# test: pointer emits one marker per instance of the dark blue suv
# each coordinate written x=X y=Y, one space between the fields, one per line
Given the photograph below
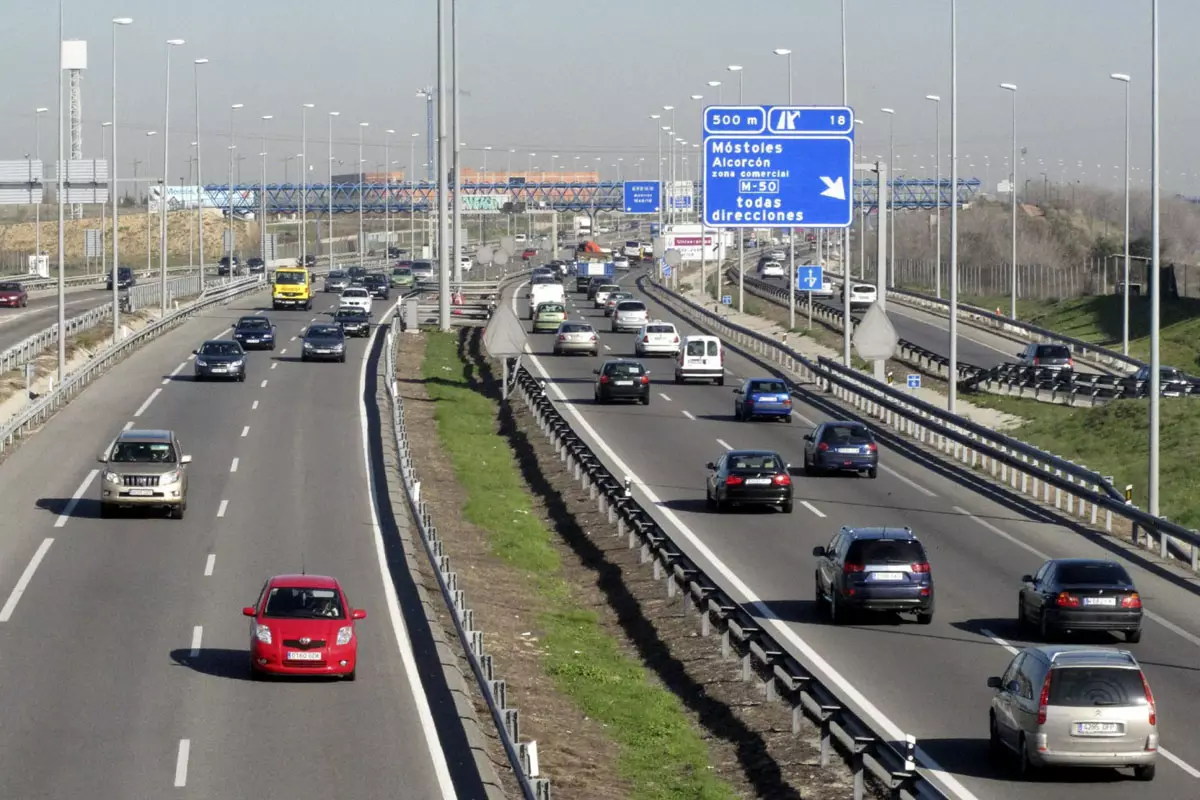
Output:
x=841 y=447
x=874 y=569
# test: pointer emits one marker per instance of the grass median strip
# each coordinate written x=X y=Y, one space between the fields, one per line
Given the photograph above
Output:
x=662 y=756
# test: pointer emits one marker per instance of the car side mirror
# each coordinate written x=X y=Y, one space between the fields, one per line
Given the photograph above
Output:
x=1020 y=355
x=358 y=613
x=1027 y=579
x=711 y=465
x=195 y=352
x=102 y=458
x=737 y=391
x=248 y=611
x=819 y=551
x=808 y=437
x=595 y=372
x=186 y=459
x=994 y=683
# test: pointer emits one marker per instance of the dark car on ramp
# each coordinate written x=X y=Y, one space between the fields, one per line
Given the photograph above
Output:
x=378 y=285
x=354 y=321
x=1080 y=594
x=220 y=358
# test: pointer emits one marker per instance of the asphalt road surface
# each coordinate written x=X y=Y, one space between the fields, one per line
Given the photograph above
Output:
x=123 y=651
x=17 y=324
x=928 y=681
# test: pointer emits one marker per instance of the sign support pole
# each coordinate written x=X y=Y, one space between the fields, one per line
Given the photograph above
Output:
x=880 y=367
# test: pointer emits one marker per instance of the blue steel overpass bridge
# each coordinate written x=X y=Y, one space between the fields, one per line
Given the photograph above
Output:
x=421 y=196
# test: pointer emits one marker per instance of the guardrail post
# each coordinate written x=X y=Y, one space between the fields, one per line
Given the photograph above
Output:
x=827 y=713
x=861 y=745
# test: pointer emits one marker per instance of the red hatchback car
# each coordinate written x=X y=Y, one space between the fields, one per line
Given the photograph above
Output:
x=303 y=625
x=13 y=295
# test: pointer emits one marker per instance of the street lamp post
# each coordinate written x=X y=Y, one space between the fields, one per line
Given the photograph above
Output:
x=741 y=239
x=410 y=173
x=387 y=188
x=1012 y=188
x=262 y=193
x=1117 y=76
x=229 y=251
x=37 y=155
x=304 y=107
x=952 y=384
x=62 y=263
x=891 y=203
x=716 y=85
x=329 y=189
x=937 y=266
x=361 y=241
x=162 y=201
x=104 y=205
x=671 y=169
x=149 y=140
x=1155 y=275
x=783 y=51
x=199 y=178
x=114 y=194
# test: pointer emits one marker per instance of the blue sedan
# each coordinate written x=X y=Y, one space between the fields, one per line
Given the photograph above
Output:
x=767 y=398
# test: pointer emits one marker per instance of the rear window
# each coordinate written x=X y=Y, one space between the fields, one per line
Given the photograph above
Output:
x=659 y=329
x=886 y=551
x=608 y=287
x=631 y=368
x=1080 y=687
x=764 y=461
x=575 y=328
x=768 y=387
x=631 y=305
x=867 y=289
x=1053 y=351
x=550 y=308
x=714 y=349
x=1107 y=574
x=695 y=348
x=847 y=434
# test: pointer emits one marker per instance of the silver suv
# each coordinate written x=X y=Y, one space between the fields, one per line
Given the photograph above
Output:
x=146 y=469
x=1075 y=706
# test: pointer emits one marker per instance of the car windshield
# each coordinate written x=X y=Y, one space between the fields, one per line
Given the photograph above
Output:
x=1082 y=687
x=768 y=387
x=1053 y=351
x=1106 y=574
x=886 y=551
x=846 y=435
x=695 y=347
x=324 y=332
x=864 y=289
x=424 y=266
x=606 y=288
x=253 y=324
x=143 y=453
x=755 y=461
x=221 y=349
x=624 y=368
x=297 y=602
x=289 y=278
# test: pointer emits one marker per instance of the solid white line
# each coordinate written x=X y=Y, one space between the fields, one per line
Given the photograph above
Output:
x=245 y=431
x=254 y=406
x=23 y=582
x=1003 y=643
x=197 y=635
x=403 y=643
x=209 y=564
x=812 y=508
x=74 y=501
x=724 y=444
x=263 y=385
x=606 y=347
x=689 y=415
x=292 y=339
x=664 y=397
x=146 y=404
x=907 y=480
x=128 y=425
x=181 y=762
x=804 y=419
x=221 y=508
x=233 y=467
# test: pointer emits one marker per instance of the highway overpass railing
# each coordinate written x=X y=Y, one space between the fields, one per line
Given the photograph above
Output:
x=1074 y=490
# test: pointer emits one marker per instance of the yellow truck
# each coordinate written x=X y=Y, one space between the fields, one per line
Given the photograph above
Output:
x=292 y=287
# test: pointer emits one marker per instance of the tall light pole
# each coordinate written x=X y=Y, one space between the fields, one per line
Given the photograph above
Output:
x=149 y=141
x=1125 y=79
x=199 y=176
x=387 y=190
x=846 y=331
x=671 y=169
x=114 y=194
x=1012 y=188
x=411 y=173
x=783 y=51
x=262 y=192
x=737 y=68
x=937 y=266
x=891 y=204
x=162 y=202
x=443 y=176
x=232 y=239
x=329 y=190
x=1155 y=273
x=952 y=383
x=661 y=188
x=37 y=155
x=62 y=264
x=361 y=241
x=456 y=167
x=304 y=107
x=104 y=205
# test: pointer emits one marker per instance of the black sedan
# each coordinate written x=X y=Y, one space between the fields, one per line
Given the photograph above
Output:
x=378 y=285
x=254 y=333
x=324 y=342
x=748 y=477
x=256 y=266
x=1080 y=594
x=354 y=321
x=220 y=358
x=841 y=447
x=622 y=379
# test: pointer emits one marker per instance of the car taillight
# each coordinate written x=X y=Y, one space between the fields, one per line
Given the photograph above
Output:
x=646 y=339
x=722 y=357
x=593 y=336
x=823 y=446
x=873 y=447
x=848 y=569
x=562 y=337
x=787 y=401
x=1044 y=700
x=734 y=480
x=645 y=379
x=922 y=568
x=675 y=340
x=1070 y=362
x=604 y=379
x=783 y=479
x=1066 y=600
x=1131 y=601
x=1149 y=700
x=1037 y=361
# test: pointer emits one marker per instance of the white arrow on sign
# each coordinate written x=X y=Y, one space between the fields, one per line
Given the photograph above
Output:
x=834 y=188
x=810 y=279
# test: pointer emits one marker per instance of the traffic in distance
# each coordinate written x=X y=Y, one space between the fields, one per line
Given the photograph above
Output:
x=1057 y=704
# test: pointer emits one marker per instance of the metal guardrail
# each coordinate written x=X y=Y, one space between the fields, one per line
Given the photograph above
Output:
x=506 y=719
x=1054 y=385
x=98 y=279
x=34 y=415
x=762 y=659
x=1047 y=478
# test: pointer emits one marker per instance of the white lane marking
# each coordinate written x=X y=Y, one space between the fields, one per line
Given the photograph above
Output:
x=69 y=509
x=221 y=508
x=284 y=350
x=847 y=690
x=209 y=564
x=292 y=339
x=664 y=397
x=23 y=582
x=128 y=425
x=1003 y=643
x=403 y=643
x=907 y=480
x=192 y=357
x=182 y=366
x=233 y=467
x=690 y=416
x=197 y=635
x=181 y=762
x=276 y=364
x=606 y=347
x=813 y=508
x=804 y=419
x=146 y=404
x=263 y=385
x=254 y=406
x=724 y=444
x=245 y=431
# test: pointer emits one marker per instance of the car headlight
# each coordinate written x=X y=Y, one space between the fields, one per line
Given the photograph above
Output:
x=167 y=478
x=262 y=633
x=308 y=345
x=111 y=477
x=237 y=363
x=200 y=362
x=345 y=634
x=339 y=346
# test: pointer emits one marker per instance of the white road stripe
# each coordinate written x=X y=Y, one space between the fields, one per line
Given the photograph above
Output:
x=263 y=385
x=690 y=416
x=254 y=406
x=221 y=508
x=606 y=347
x=292 y=339
x=276 y=364
x=284 y=350
x=209 y=564
x=812 y=508
x=146 y=404
x=664 y=397
x=907 y=480
x=233 y=467
x=245 y=431
x=181 y=762
x=182 y=366
x=74 y=501
x=128 y=425
x=23 y=582
x=724 y=444
x=197 y=635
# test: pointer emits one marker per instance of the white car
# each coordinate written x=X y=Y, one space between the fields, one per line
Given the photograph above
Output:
x=776 y=255
x=862 y=294
x=602 y=293
x=620 y=262
x=629 y=315
x=465 y=263
x=423 y=270
x=520 y=238
x=656 y=338
x=355 y=297
x=826 y=290
x=771 y=269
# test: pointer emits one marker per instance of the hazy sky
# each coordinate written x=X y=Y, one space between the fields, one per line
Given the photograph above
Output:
x=580 y=79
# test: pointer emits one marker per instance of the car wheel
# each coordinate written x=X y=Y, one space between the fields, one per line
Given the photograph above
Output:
x=351 y=675
x=241 y=377
x=597 y=399
x=257 y=674
x=557 y=352
x=721 y=381
x=1133 y=637
x=678 y=378
x=788 y=419
x=304 y=356
x=709 y=503
x=995 y=746
x=1045 y=632
x=646 y=399
x=925 y=618
x=272 y=347
x=177 y=511
x=1022 y=620
x=787 y=506
x=342 y=359
x=872 y=472
x=1025 y=767
x=1144 y=772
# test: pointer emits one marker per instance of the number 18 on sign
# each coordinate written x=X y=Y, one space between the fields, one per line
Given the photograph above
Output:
x=778 y=166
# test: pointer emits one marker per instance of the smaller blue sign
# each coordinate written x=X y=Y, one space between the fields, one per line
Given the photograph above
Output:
x=726 y=299
x=914 y=381
x=642 y=197
x=809 y=278
x=666 y=271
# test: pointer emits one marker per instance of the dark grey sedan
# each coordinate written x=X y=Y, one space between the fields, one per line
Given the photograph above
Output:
x=220 y=358
x=324 y=342
x=337 y=281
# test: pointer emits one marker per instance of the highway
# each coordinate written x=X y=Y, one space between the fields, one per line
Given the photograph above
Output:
x=123 y=651
x=17 y=324
x=928 y=681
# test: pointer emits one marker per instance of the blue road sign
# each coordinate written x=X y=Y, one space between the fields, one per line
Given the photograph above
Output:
x=809 y=277
x=726 y=299
x=666 y=271
x=914 y=381
x=778 y=166
x=642 y=197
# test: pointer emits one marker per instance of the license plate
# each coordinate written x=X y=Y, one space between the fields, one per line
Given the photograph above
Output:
x=758 y=481
x=304 y=655
x=141 y=493
x=1097 y=727
x=887 y=576
x=848 y=450
x=219 y=369
x=624 y=383
x=252 y=341
x=1100 y=601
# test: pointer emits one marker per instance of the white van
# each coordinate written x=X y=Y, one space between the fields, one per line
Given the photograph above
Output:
x=550 y=292
x=701 y=358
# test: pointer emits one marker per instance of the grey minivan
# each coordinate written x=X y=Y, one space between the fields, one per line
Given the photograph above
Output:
x=1074 y=706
